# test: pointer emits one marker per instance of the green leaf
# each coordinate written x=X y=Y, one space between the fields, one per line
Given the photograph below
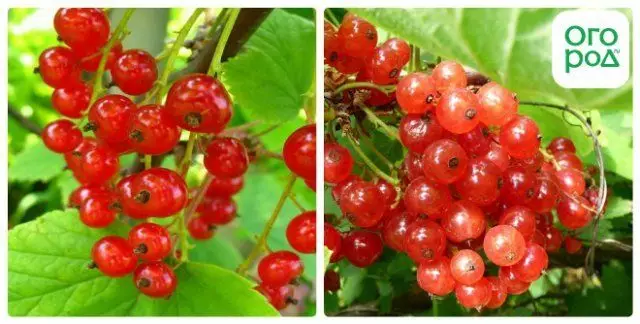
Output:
x=36 y=163
x=67 y=184
x=218 y=251
x=353 y=283
x=270 y=78
x=618 y=207
x=48 y=276
x=613 y=298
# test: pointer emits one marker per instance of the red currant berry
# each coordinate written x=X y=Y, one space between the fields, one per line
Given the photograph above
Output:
x=113 y=256
x=58 y=67
x=572 y=245
x=134 y=72
x=467 y=267
x=357 y=36
x=416 y=93
x=518 y=186
x=362 y=248
x=343 y=186
x=347 y=64
x=561 y=144
x=481 y=182
x=151 y=242
x=385 y=66
x=376 y=97
x=418 y=131
x=278 y=296
x=152 y=130
x=91 y=62
x=413 y=166
x=299 y=151
x=521 y=218
x=504 y=245
x=99 y=165
x=226 y=158
x=445 y=161
x=498 y=104
x=463 y=221
x=363 y=204
x=553 y=239
x=545 y=195
x=520 y=137
x=425 y=241
x=225 y=187
x=476 y=295
x=337 y=163
x=540 y=239
x=532 y=264
x=74 y=158
x=199 y=103
x=401 y=49
x=82 y=193
x=155 y=192
x=449 y=75
x=567 y=160
x=333 y=241
x=476 y=142
x=531 y=164
x=280 y=268
x=498 y=292
x=301 y=232
x=435 y=277
x=155 y=279
x=98 y=211
x=217 y=210
x=498 y=156
x=331 y=44
x=72 y=101
x=109 y=117
x=388 y=191
x=331 y=281
x=396 y=227
x=457 y=111
x=83 y=29
x=509 y=279
x=199 y=229
x=573 y=212
x=424 y=197
x=570 y=181
x=61 y=136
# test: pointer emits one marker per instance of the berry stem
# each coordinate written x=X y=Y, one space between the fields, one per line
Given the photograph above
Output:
x=372 y=146
x=415 y=64
x=295 y=201
x=175 y=50
x=332 y=18
x=370 y=163
x=147 y=162
x=221 y=18
x=377 y=121
x=550 y=158
x=183 y=218
x=434 y=306
x=262 y=240
x=183 y=166
x=215 y=66
x=352 y=85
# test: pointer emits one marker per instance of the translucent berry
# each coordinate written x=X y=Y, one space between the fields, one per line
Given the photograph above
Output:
x=518 y=186
x=225 y=187
x=226 y=158
x=570 y=181
x=476 y=295
x=83 y=192
x=416 y=93
x=389 y=193
x=480 y=183
x=278 y=296
x=449 y=75
x=400 y=47
x=333 y=241
x=61 y=136
x=363 y=204
x=109 y=119
x=553 y=239
x=425 y=241
x=509 y=279
x=521 y=218
x=545 y=195
x=498 y=292
x=561 y=144
x=457 y=111
x=424 y=197
x=467 y=267
x=532 y=264
x=476 y=142
x=71 y=101
x=217 y=210
x=463 y=221
x=83 y=29
x=134 y=72
x=279 y=268
x=566 y=160
x=445 y=161
x=498 y=156
x=504 y=245
x=418 y=131
x=58 y=67
x=151 y=242
x=573 y=212
x=520 y=137
x=357 y=36
x=98 y=211
x=113 y=256
x=498 y=104
x=299 y=151
x=99 y=165
x=155 y=192
x=155 y=279
x=395 y=229
x=338 y=163
x=343 y=186
x=301 y=232
x=435 y=277
x=572 y=245
x=91 y=62
x=413 y=166
x=199 y=229
x=152 y=130
x=362 y=248
x=385 y=66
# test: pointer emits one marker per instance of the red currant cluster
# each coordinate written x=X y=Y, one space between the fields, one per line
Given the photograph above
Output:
x=198 y=103
x=279 y=269
x=474 y=178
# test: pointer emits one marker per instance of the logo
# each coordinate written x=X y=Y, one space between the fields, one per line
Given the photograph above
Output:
x=590 y=49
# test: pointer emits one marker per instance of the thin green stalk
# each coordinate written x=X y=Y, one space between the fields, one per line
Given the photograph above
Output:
x=262 y=240
x=183 y=218
x=354 y=85
x=147 y=162
x=372 y=166
x=372 y=146
x=175 y=50
x=332 y=17
x=188 y=153
x=434 y=306
x=215 y=66
x=220 y=19
x=417 y=64
x=377 y=121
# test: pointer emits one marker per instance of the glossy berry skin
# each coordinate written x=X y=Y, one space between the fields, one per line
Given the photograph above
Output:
x=463 y=221
x=155 y=192
x=413 y=166
x=113 y=256
x=457 y=111
x=97 y=211
x=561 y=144
x=226 y=158
x=347 y=64
x=151 y=242
x=518 y=186
x=301 y=232
x=58 y=67
x=570 y=181
x=155 y=279
x=521 y=218
x=74 y=158
x=333 y=241
x=109 y=118
x=545 y=195
x=573 y=213
x=498 y=292
x=83 y=192
x=498 y=156
x=199 y=103
x=388 y=191
x=534 y=261
x=99 y=165
x=435 y=277
x=61 y=136
x=152 y=131
x=343 y=186
x=331 y=44
x=427 y=198
x=572 y=245
x=418 y=131
x=504 y=245
x=416 y=93
x=520 y=137
x=475 y=142
x=225 y=187
x=217 y=210
x=445 y=161
x=83 y=29
x=71 y=101
x=280 y=268
x=476 y=295
x=467 y=267
x=362 y=248
x=278 y=296
x=481 y=182
x=531 y=164
x=338 y=163
x=401 y=49
x=509 y=279
x=498 y=105
x=376 y=97
x=385 y=66
x=363 y=204
x=299 y=151
x=425 y=241
x=331 y=281
x=566 y=159
x=357 y=36
x=449 y=75
x=395 y=229
x=134 y=72
x=91 y=62
x=199 y=229
x=553 y=239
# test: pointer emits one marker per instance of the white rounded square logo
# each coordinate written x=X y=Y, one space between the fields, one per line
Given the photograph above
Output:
x=590 y=49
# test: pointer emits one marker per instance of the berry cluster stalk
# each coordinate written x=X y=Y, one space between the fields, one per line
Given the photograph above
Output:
x=215 y=66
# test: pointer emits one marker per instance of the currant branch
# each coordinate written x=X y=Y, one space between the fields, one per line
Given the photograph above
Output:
x=355 y=85
x=215 y=66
